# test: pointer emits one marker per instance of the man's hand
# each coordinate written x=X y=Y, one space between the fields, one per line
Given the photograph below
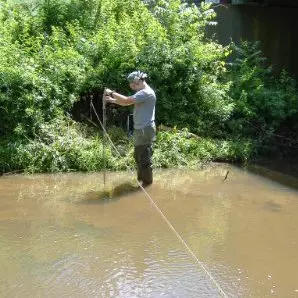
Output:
x=108 y=91
x=114 y=97
x=110 y=99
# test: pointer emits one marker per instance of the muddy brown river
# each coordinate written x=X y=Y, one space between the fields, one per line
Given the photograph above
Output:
x=61 y=238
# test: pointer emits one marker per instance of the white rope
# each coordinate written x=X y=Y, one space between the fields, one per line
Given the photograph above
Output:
x=163 y=216
x=104 y=125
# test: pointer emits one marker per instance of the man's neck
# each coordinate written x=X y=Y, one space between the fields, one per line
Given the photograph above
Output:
x=142 y=86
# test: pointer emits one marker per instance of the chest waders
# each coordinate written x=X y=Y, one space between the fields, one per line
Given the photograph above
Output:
x=143 y=140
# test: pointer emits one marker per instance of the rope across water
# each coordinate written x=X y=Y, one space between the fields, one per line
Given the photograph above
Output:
x=161 y=213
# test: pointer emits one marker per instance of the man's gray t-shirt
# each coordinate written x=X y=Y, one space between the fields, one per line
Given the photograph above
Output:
x=144 y=108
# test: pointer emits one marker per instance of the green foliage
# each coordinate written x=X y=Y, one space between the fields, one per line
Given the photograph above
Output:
x=40 y=79
x=63 y=49
x=64 y=145
x=59 y=146
x=180 y=148
x=59 y=13
x=56 y=52
x=263 y=102
x=187 y=69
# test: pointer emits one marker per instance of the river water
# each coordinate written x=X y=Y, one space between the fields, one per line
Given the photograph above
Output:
x=60 y=237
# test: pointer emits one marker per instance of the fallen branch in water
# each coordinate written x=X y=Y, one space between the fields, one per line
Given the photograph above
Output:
x=226 y=177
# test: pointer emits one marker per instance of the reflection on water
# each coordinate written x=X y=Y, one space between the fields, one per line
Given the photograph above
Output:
x=65 y=235
x=111 y=194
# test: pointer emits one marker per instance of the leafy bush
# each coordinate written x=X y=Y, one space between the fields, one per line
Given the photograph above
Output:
x=57 y=52
x=59 y=146
x=263 y=102
x=180 y=148
x=38 y=87
x=187 y=69
x=64 y=49
x=64 y=145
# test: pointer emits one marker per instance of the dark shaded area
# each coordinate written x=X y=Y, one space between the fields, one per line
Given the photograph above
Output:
x=284 y=171
x=273 y=207
x=110 y=195
x=115 y=115
x=266 y=3
x=273 y=23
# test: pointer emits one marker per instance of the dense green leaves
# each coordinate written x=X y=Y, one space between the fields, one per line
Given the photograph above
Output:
x=263 y=102
x=63 y=49
x=56 y=52
x=65 y=145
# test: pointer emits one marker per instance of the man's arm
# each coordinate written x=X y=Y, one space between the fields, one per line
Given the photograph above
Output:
x=118 y=98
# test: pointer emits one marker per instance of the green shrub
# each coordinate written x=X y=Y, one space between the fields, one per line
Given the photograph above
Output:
x=64 y=49
x=55 y=53
x=263 y=102
x=64 y=145
x=180 y=148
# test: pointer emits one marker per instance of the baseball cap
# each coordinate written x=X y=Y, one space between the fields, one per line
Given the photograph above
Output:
x=136 y=75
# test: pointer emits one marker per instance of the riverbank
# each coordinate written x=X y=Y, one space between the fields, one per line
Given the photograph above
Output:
x=69 y=146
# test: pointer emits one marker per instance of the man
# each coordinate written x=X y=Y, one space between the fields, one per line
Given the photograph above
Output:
x=144 y=122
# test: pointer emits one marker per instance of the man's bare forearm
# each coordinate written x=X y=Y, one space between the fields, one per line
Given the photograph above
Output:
x=119 y=99
x=115 y=101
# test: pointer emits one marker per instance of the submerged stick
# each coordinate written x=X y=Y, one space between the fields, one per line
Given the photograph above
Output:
x=226 y=175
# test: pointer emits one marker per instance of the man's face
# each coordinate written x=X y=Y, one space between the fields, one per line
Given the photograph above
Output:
x=134 y=85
